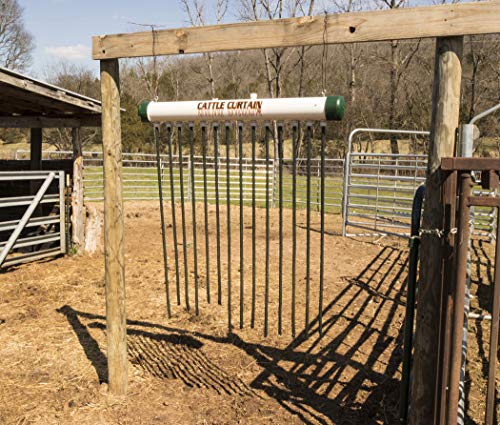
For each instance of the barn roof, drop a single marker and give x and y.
(26, 102)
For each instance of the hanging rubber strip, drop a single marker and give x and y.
(228, 214)
(254, 226)
(183, 216)
(266, 288)
(217, 211)
(308, 224)
(193, 210)
(294, 224)
(157, 140)
(280, 199)
(172, 207)
(205, 209)
(242, 223)
(322, 228)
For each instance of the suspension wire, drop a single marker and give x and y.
(205, 209)
(242, 224)
(324, 54)
(254, 228)
(228, 207)
(294, 222)
(156, 132)
(217, 212)
(183, 216)
(308, 224)
(266, 289)
(193, 210)
(174, 220)
(280, 197)
(322, 231)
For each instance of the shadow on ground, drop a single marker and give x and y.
(347, 375)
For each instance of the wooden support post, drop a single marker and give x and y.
(36, 139)
(36, 149)
(114, 229)
(77, 204)
(425, 391)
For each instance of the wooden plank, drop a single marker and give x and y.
(50, 122)
(428, 360)
(405, 23)
(77, 202)
(47, 92)
(114, 229)
(47, 165)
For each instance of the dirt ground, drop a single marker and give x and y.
(186, 369)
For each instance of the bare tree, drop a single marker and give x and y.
(195, 11)
(16, 44)
(80, 80)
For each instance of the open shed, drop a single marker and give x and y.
(28, 103)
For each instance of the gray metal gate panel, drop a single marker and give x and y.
(19, 247)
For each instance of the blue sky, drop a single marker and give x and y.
(63, 28)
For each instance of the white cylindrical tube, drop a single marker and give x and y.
(253, 109)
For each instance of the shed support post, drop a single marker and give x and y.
(428, 361)
(114, 229)
(36, 149)
(77, 203)
(36, 138)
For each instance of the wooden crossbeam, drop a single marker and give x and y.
(50, 122)
(406, 23)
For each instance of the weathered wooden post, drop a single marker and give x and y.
(425, 391)
(114, 228)
(77, 203)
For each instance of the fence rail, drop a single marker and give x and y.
(374, 191)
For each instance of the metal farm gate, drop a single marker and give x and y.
(32, 216)
(378, 190)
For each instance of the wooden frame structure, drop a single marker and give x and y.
(447, 23)
(26, 102)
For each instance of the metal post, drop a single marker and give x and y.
(62, 212)
(459, 291)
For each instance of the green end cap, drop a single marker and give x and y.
(142, 111)
(334, 108)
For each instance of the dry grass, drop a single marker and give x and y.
(186, 370)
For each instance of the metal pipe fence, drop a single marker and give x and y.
(374, 191)
(141, 180)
